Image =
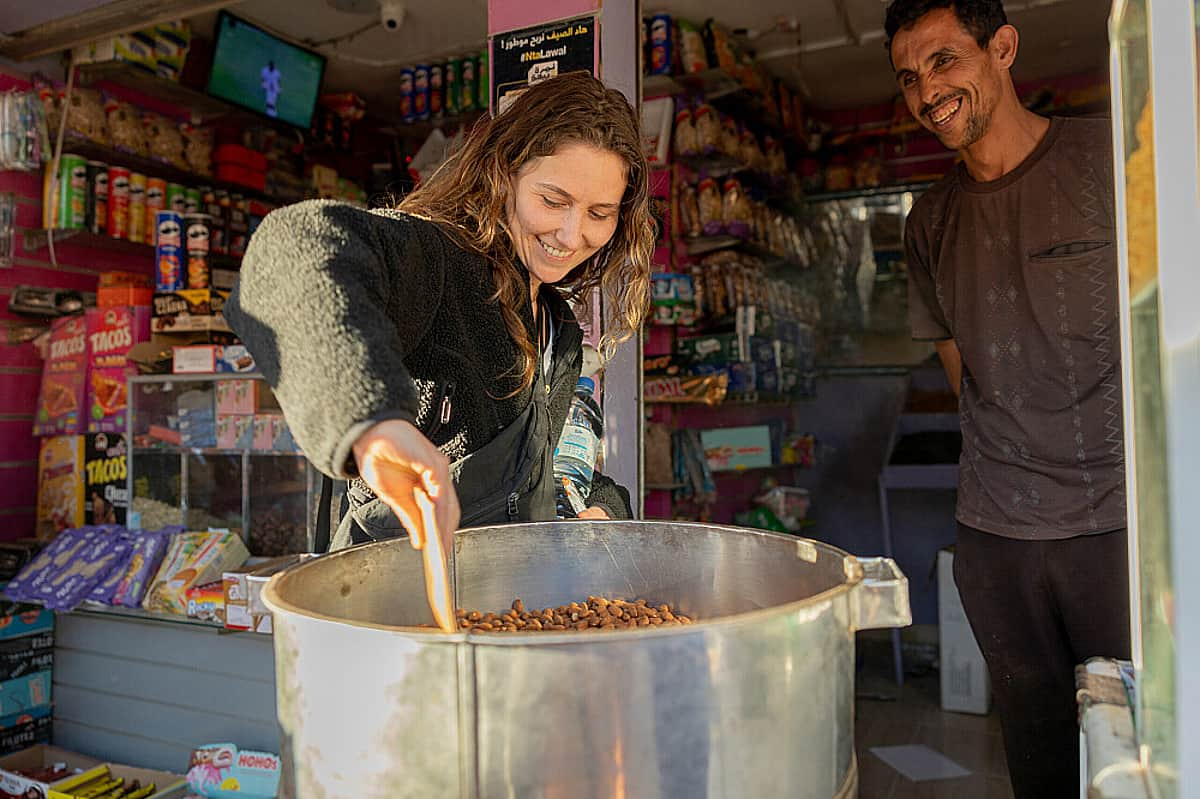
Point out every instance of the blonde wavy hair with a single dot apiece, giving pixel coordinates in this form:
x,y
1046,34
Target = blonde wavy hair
x,y
469,194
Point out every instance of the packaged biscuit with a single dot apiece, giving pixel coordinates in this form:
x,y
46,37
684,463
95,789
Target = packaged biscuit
x,y
111,333
192,559
711,219
708,129
60,408
60,503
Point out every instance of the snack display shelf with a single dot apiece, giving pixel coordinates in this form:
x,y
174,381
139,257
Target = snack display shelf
x,y
144,82
159,169
173,450
96,609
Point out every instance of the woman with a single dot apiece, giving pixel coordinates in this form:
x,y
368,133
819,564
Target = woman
x,y
431,348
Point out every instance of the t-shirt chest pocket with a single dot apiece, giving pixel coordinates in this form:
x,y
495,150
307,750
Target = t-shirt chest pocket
x,y
1072,285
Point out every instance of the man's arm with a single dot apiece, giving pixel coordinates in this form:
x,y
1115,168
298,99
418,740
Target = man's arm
x,y
951,361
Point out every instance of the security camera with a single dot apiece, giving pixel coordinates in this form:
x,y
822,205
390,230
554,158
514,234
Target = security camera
x,y
391,14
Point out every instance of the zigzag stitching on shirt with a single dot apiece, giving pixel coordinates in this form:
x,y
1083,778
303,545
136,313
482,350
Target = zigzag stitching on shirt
x,y
1089,210
1112,399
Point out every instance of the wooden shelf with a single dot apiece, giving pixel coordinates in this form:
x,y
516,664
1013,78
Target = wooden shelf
x,y
157,169
203,105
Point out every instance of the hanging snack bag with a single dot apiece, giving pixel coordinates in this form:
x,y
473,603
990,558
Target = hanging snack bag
x,y
197,148
708,129
689,211
163,140
86,117
710,207
731,136
694,57
749,153
686,144
125,127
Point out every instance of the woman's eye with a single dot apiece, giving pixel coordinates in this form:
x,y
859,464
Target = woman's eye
x,y
600,217
553,204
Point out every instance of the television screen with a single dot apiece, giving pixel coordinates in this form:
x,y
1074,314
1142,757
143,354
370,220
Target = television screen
x,y
263,73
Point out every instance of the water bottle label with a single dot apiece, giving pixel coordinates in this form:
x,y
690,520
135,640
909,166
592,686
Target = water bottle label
x,y
578,445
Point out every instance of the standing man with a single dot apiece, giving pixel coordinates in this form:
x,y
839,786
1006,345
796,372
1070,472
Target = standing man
x,y
271,79
1012,269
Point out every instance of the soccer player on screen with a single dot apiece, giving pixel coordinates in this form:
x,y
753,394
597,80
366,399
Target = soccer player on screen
x,y
270,83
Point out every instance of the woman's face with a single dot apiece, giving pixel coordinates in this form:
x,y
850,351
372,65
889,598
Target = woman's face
x,y
564,208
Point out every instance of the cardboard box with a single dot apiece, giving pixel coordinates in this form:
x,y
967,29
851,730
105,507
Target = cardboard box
x,y
282,440
245,397
106,466
243,432
733,448
222,771
60,485
41,756
264,432
212,359
164,782
111,333
23,730
62,398
717,348
24,694
226,431
965,687
237,591
18,619
207,602
26,655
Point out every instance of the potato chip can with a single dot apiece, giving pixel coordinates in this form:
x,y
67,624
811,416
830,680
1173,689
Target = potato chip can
x,y
421,91
137,207
156,198
437,90
118,202
97,197
407,111
72,190
485,87
191,201
468,83
197,231
168,251
453,88
176,198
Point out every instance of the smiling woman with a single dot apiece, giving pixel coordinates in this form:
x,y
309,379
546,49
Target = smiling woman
x,y
428,354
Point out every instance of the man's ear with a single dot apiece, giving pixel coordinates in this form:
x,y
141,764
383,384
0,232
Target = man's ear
x,y
1004,46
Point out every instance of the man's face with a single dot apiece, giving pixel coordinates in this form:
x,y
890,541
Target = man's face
x,y
950,83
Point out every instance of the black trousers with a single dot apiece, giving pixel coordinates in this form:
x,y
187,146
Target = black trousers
x,y
1037,609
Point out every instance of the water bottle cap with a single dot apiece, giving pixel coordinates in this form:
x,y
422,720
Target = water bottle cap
x,y
588,383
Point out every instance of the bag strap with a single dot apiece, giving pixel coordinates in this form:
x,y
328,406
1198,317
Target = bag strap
x,y
320,541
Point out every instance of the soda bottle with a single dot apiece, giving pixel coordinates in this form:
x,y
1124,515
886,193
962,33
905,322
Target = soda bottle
x,y
575,455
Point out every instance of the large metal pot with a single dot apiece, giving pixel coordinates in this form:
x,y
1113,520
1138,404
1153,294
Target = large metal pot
x,y
754,700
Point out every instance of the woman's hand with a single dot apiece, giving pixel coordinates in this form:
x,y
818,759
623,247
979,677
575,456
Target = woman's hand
x,y
404,469
593,513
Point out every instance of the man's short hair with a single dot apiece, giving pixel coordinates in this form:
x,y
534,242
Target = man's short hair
x,y
980,18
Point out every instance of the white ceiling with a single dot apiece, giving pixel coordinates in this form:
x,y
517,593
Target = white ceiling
x,y
831,50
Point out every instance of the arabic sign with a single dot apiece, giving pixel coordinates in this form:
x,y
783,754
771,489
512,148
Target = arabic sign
x,y
521,58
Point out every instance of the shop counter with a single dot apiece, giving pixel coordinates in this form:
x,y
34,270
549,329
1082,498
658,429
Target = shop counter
x,y
133,687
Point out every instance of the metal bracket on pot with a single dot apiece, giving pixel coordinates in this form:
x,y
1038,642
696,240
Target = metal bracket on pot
x,y
881,599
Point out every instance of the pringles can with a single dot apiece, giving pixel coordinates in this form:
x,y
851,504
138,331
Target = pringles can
x,y
437,90
485,88
72,190
468,81
168,251
407,112
96,212
118,202
453,91
191,201
239,226
137,207
176,198
197,231
156,198
421,91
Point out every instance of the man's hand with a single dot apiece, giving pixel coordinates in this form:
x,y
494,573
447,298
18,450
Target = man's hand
x,y
397,462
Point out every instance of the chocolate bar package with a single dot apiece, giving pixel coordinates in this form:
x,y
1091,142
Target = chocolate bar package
x,y
148,548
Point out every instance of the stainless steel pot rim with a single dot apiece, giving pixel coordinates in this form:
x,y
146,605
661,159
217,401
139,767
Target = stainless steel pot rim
x,y
854,576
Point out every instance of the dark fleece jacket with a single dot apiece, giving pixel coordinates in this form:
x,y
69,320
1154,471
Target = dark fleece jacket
x,y
359,316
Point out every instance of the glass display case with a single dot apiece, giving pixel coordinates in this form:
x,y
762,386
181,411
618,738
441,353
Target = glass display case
x,y
213,452
1154,69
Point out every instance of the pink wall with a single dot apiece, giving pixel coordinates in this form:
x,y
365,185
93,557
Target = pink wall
x,y
507,15
20,367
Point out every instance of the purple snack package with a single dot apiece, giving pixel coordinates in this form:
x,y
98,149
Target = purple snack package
x,y
93,563
146,554
103,591
32,583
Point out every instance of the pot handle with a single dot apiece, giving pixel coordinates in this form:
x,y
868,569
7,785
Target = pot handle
x,y
881,598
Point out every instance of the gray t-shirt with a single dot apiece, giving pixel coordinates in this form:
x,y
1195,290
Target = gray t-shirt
x,y
1022,273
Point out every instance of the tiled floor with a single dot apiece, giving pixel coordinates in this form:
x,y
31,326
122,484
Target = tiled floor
x,y
914,716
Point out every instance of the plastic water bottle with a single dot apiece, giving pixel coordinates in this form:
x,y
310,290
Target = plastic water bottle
x,y
575,455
